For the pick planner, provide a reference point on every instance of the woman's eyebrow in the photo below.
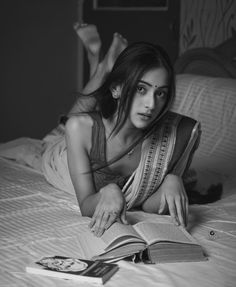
(150, 85)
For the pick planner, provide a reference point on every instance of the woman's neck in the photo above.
(127, 135)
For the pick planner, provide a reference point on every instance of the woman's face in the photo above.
(150, 98)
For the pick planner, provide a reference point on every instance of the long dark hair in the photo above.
(130, 66)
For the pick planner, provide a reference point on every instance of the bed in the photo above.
(38, 219)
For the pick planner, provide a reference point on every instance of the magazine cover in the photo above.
(73, 268)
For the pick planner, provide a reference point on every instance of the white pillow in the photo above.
(212, 101)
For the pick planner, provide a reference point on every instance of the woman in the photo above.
(129, 151)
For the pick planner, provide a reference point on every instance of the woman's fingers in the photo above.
(92, 222)
(174, 198)
(123, 218)
(97, 217)
(172, 210)
(184, 208)
(162, 205)
(102, 221)
(180, 212)
(94, 218)
(183, 204)
(178, 208)
(112, 218)
(186, 211)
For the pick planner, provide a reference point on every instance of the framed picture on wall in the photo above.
(148, 5)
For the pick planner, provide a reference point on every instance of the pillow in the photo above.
(212, 101)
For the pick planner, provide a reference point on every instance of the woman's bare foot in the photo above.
(91, 40)
(119, 43)
(97, 77)
(105, 66)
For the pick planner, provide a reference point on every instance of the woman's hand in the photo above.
(173, 197)
(110, 208)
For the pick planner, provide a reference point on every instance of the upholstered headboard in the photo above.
(206, 91)
(214, 62)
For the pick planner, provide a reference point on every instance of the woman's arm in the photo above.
(78, 140)
(104, 206)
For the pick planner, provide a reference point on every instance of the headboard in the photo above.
(214, 62)
(205, 91)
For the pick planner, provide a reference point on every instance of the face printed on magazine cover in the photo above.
(63, 264)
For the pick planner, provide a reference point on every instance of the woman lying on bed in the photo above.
(121, 147)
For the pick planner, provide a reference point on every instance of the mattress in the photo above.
(38, 220)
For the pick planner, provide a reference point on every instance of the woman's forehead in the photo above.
(155, 77)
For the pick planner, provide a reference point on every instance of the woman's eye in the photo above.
(141, 90)
(161, 93)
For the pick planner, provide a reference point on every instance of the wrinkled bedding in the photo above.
(39, 220)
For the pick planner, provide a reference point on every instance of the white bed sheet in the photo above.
(37, 220)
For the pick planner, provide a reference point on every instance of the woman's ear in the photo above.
(116, 91)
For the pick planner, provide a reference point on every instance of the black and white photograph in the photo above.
(118, 143)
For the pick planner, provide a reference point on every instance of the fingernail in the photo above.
(160, 210)
(176, 222)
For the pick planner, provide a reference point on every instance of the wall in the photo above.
(38, 65)
(161, 27)
(206, 23)
(39, 56)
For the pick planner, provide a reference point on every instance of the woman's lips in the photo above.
(145, 117)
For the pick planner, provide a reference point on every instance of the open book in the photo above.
(155, 241)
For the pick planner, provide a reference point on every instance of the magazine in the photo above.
(73, 268)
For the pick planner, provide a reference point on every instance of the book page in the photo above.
(90, 244)
(134, 217)
(118, 234)
(153, 232)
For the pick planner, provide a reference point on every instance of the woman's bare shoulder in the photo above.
(78, 122)
(79, 127)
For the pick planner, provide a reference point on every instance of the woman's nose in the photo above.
(150, 101)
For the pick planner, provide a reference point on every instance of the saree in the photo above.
(156, 154)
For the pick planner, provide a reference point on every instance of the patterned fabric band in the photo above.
(157, 152)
